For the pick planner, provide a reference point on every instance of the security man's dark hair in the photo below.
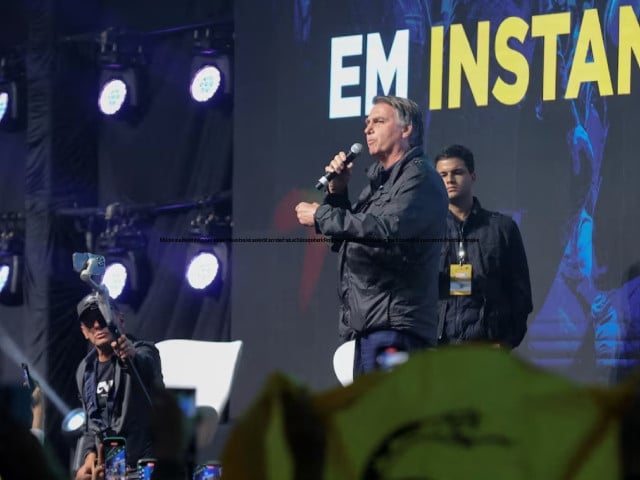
(458, 151)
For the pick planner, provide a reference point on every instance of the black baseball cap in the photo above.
(90, 303)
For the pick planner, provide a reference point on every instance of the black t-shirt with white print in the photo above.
(105, 375)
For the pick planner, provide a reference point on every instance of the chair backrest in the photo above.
(343, 362)
(209, 367)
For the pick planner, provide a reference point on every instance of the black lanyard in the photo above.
(462, 252)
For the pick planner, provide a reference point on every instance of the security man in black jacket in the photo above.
(485, 292)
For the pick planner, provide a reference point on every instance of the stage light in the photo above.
(112, 96)
(11, 258)
(73, 422)
(10, 113)
(12, 99)
(207, 257)
(4, 104)
(11, 279)
(115, 279)
(127, 276)
(202, 270)
(5, 270)
(127, 272)
(120, 79)
(207, 266)
(211, 77)
(119, 91)
(205, 83)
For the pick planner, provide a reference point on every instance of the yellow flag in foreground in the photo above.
(456, 413)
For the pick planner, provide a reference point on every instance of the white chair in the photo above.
(209, 367)
(343, 362)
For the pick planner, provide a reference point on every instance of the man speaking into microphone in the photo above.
(388, 240)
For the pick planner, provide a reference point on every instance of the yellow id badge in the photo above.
(460, 279)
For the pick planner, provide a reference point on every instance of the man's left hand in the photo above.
(123, 348)
(306, 212)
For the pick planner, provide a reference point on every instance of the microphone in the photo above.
(354, 151)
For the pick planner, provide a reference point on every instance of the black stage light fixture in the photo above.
(73, 423)
(127, 272)
(121, 82)
(208, 256)
(11, 270)
(12, 96)
(11, 258)
(211, 67)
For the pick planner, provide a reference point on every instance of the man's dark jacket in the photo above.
(389, 242)
(500, 302)
(130, 410)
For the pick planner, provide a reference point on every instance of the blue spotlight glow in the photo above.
(4, 104)
(115, 279)
(205, 83)
(112, 96)
(4, 276)
(202, 270)
(73, 422)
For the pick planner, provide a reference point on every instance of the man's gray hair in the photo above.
(409, 113)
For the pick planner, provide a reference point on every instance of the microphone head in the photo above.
(356, 148)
